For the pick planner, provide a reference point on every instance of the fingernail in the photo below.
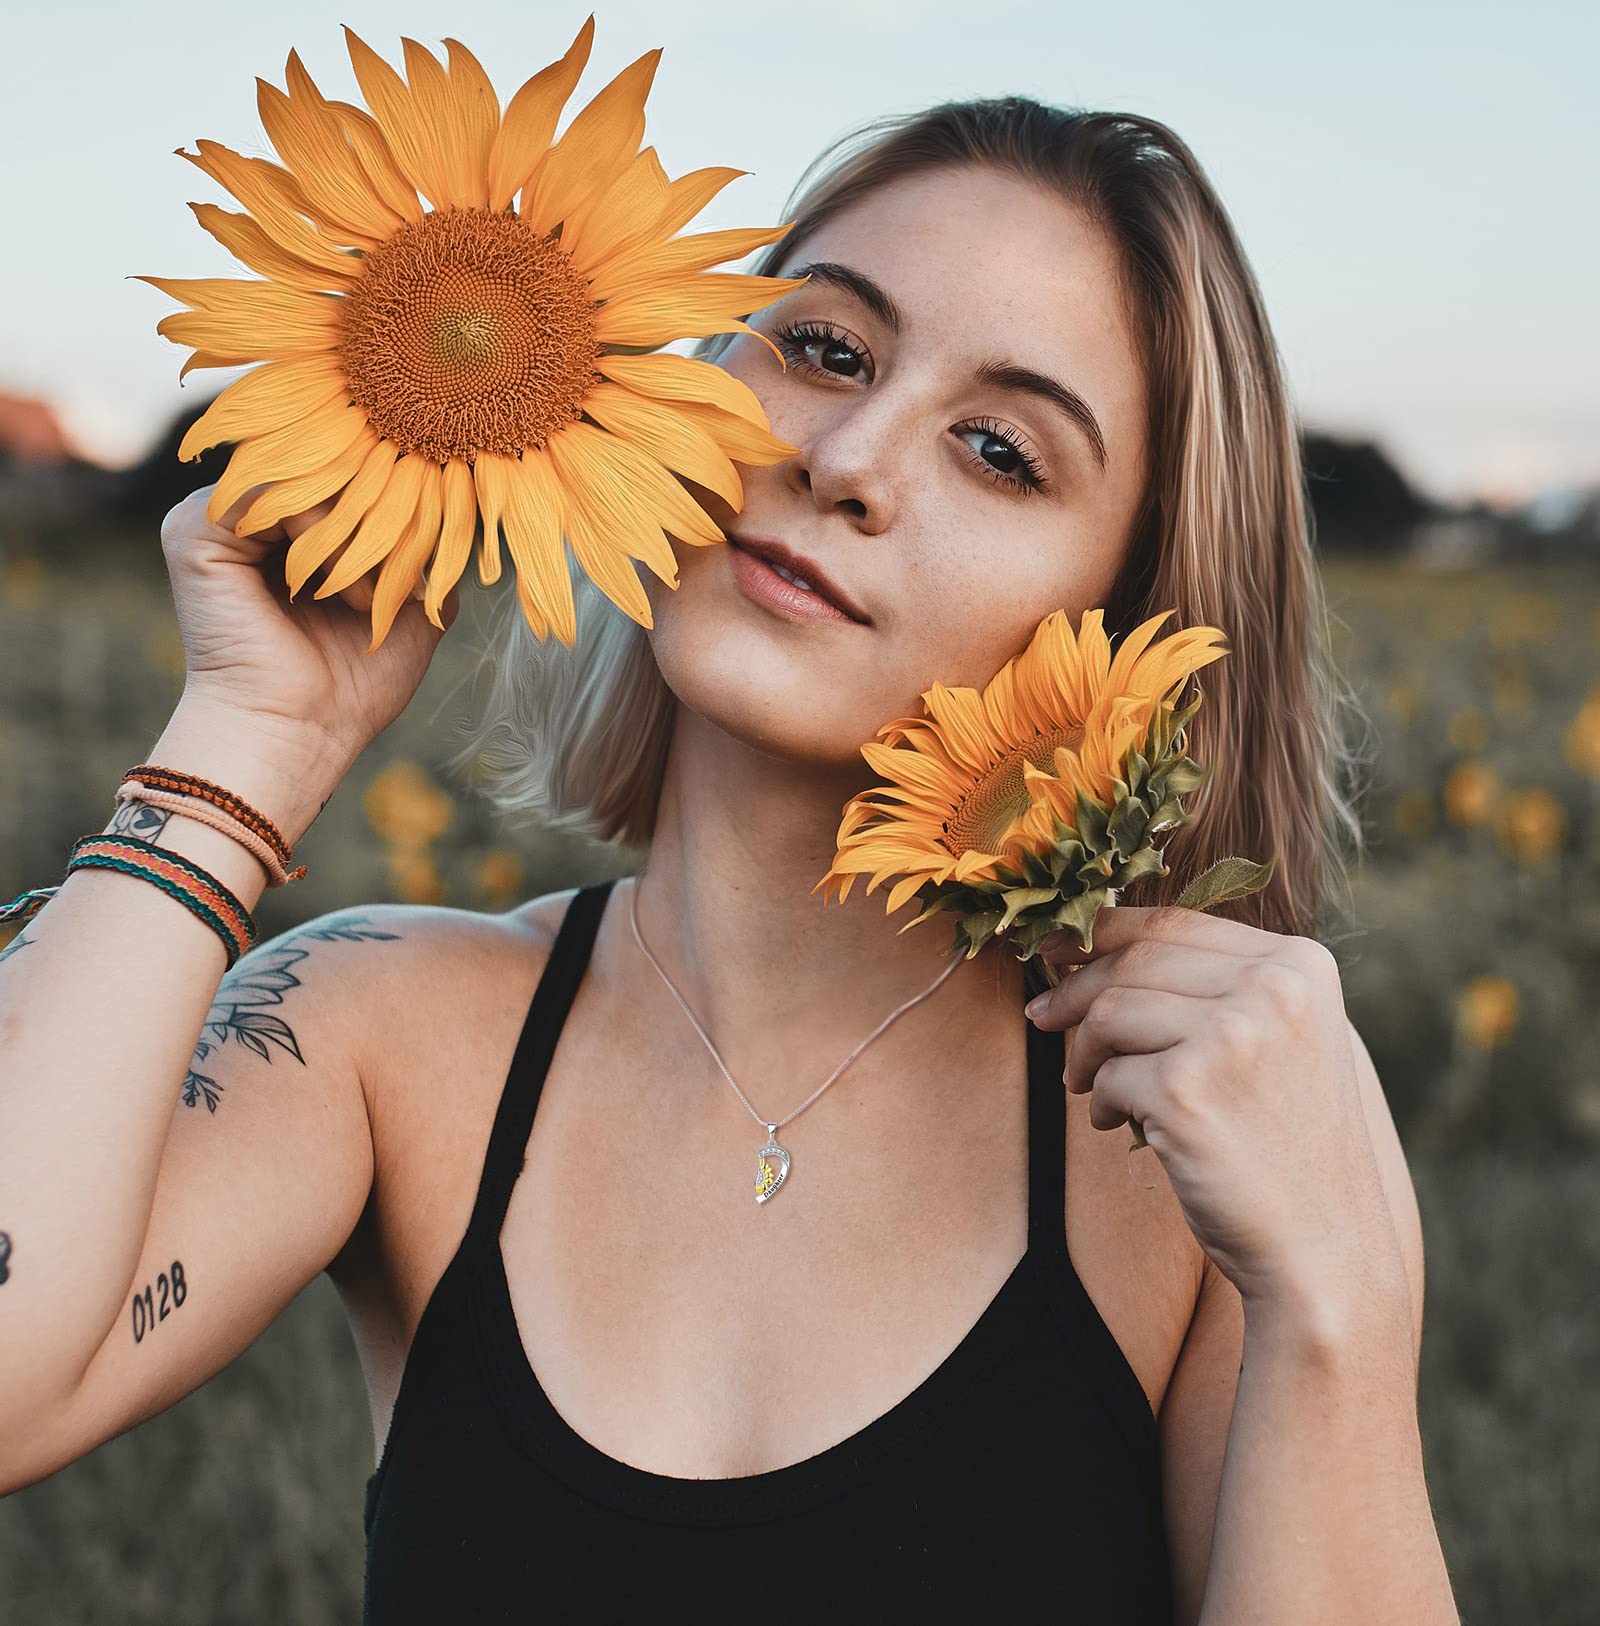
(1035, 1007)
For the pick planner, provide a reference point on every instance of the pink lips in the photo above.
(760, 582)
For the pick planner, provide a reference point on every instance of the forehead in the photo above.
(983, 264)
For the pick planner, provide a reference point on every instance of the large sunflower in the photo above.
(1037, 796)
(473, 359)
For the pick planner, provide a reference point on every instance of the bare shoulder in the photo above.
(438, 1024)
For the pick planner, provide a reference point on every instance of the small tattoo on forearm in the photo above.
(262, 978)
(138, 819)
(172, 1290)
(5, 1254)
(20, 941)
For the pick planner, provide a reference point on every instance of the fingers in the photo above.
(230, 520)
(1123, 1089)
(1129, 1021)
(1178, 967)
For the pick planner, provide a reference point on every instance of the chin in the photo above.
(771, 684)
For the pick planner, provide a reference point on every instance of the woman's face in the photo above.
(954, 505)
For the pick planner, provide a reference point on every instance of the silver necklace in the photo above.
(768, 1179)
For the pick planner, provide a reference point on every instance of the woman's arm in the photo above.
(1320, 1513)
(100, 1010)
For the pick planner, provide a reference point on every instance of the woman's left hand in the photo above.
(1231, 1046)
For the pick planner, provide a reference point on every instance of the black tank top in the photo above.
(1019, 1480)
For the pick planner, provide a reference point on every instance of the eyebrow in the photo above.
(1005, 375)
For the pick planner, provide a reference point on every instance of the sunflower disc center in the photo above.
(468, 332)
(990, 811)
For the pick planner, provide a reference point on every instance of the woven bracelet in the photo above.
(201, 892)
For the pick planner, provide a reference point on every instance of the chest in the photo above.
(678, 1326)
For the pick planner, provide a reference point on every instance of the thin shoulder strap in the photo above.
(541, 1029)
(1047, 1140)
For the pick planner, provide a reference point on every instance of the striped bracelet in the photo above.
(201, 892)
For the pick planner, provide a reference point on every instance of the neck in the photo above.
(773, 974)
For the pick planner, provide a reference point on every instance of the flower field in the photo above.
(1469, 942)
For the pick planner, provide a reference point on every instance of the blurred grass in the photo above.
(1471, 973)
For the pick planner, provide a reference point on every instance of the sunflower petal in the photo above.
(599, 547)
(688, 307)
(492, 481)
(377, 160)
(630, 497)
(443, 125)
(679, 256)
(742, 440)
(593, 149)
(298, 448)
(610, 229)
(668, 436)
(460, 501)
(402, 568)
(690, 193)
(382, 526)
(266, 398)
(530, 119)
(244, 238)
(538, 512)
(398, 116)
(668, 377)
(274, 197)
(311, 141)
(245, 320)
(295, 496)
(201, 359)
(317, 543)
(480, 115)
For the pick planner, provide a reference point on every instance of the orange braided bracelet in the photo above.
(189, 784)
(202, 812)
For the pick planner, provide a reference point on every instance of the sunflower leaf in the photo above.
(1024, 898)
(1092, 821)
(1138, 769)
(1096, 871)
(1185, 775)
(979, 928)
(1147, 861)
(1127, 826)
(1026, 936)
(1069, 852)
(1078, 914)
(1225, 880)
(1169, 816)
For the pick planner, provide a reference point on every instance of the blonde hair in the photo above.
(577, 739)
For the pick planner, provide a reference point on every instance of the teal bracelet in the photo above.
(197, 889)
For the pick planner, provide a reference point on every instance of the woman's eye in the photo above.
(821, 350)
(1006, 461)
(1001, 458)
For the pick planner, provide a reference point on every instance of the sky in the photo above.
(1413, 183)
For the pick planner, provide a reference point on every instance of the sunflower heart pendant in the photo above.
(768, 1180)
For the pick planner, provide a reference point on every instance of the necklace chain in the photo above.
(773, 1127)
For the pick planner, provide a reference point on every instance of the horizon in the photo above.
(1429, 297)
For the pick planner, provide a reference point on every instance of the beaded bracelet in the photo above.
(188, 806)
(200, 891)
(174, 779)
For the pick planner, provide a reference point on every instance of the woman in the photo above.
(962, 1363)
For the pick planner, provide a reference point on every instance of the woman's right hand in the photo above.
(248, 650)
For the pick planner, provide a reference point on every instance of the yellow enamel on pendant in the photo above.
(767, 1182)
